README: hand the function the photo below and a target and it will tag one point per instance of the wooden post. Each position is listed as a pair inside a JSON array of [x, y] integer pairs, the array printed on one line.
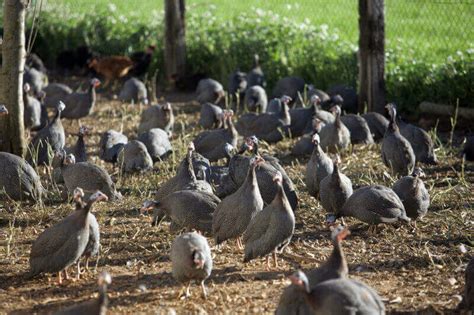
[[175, 44], [371, 55], [11, 77]]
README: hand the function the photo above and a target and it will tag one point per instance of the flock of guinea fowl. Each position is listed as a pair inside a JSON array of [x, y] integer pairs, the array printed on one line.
[[250, 198]]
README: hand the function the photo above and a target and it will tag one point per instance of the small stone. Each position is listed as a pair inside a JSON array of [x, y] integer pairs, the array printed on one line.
[[142, 288], [452, 281], [462, 249]]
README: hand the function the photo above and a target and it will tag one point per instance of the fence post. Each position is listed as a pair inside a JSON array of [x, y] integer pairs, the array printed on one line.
[[371, 55], [175, 44]]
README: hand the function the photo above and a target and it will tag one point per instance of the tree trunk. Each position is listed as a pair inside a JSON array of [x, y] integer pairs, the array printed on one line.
[[175, 44], [11, 76], [371, 55]]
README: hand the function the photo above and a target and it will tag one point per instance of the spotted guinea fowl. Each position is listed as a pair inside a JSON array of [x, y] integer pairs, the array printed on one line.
[[358, 128], [256, 75], [36, 79], [313, 91], [210, 143], [302, 119], [209, 91], [19, 181], [413, 194], [157, 143], [134, 90], [233, 214], [377, 123], [335, 189], [85, 175], [335, 137], [397, 152], [373, 205], [236, 88], [211, 116], [420, 141], [339, 296], [56, 92], [79, 149], [32, 109], [291, 86], [81, 104], [256, 99], [50, 138], [62, 244], [96, 306], [111, 144], [157, 116], [319, 166], [191, 260], [305, 145], [271, 229], [275, 105], [134, 158]]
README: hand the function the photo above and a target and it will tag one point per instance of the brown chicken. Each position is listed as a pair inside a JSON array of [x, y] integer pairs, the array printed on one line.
[[111, 67]]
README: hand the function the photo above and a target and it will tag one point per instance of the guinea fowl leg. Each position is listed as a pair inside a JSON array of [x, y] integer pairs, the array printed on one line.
[[268, 263], [66, 275], [78, 272], [239, 243], [204, 291], [86, 265], [60, 279], [275, 260]]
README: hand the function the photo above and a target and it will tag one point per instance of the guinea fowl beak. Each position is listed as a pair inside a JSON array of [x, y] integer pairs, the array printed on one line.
[[296, 280], [199, 263]]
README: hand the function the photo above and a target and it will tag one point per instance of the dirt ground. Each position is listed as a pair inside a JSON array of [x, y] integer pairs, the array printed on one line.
[[412, 269]]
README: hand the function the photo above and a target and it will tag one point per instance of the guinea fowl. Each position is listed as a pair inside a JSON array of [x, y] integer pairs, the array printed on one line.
[[80, 105], [256, 99], [85, 175], [335, 189], [209, 91], [237, 87], [349, 100], [291, 86], [468, 150], [420, 141], [271, 229], [191, 260], [157, 116], [211, 116], [358, 128], [36, 79], [302, 118], [3, 110], [62, 244], [256, 76], [50, 138], [111, 144], [56, 92], [188, 209], [276, 104], [397, 152], [32, 109], [339, 296], [19, 180], [210, 143], [157, 143], [413, 194], [324, 116], [79, 149], [233, 214], [134, 158], [97, 306], [377, 123], [335, 137], [34, 61], [313, 91], [373, 205], [319, 166], [305, 145], [134, 90]]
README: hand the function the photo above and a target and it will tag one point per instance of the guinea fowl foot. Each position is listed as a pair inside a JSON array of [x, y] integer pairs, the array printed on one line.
[[239, 243], [185, 290], [66, 275], [275, 260], [204, 290], [60, 279]]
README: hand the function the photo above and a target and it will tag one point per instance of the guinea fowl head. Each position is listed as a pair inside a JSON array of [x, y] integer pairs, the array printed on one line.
[[337, 100], [300, 280], [315, 100], [317, 124], [252, 143], [285, 99], [339, 233], [198, 259], [191, 147], [61, 106], [336, 110], [148, 205], [104, 279], [83, 130], [418, 172], [229, 149], [3, 110], [95, 82], [78, 194], [392, 112], [256, 161], [166, 107], [315, 139], [26, 87], [70, 159], [98, 196]]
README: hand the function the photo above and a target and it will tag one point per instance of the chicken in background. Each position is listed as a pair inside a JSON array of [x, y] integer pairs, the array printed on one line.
[[111, 67], [142, 61]]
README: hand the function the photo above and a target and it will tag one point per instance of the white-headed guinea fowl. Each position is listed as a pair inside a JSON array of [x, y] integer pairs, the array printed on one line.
[[270, 127], [358, 128], [275, 105], [111, 144], [81, 104], [350, 100], [293, 300], [335, 137], [256, 75], [211, 116], [157, 143], [377, 123], [157, 116], [468, 150], [79, 149], [210, 143], [36, 79], [256, 99], [62, 244], [319, 166], [85, 175], [339, 296], [373, 205], [191, 260], [32, 109], [271, 229], [413, 194], [19, 180], [302, 118], [397, 152], [236, 88], [325, 116], [56, 92], [134, 90], [209, 91], [97, 306], [291, 86], [305, 146], [134, 158], [190, 209], [468, 299], [233, 214], [420, 141], [49, 139], [335, 189]]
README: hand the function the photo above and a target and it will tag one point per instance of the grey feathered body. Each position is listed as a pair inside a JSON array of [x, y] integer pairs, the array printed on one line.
[[319, 166], [50, 136], [134, 158], [397, 153], [56, 92], [92, 307], [209, 116], [335, 137], [256, 99], [93, 244], [32, 112], [302, 120], [421, 143], [335, 189], [304, 146], [413, 194], [156, 117], [79, 104], [110, 145], [79, 149], [207, 89], [36, 79], [157, 143], [468, 300], [377, 123], [211, 143], [256, 77], [358, 128], [133, 90], [293, 302], [270, 127], [289, 86]]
